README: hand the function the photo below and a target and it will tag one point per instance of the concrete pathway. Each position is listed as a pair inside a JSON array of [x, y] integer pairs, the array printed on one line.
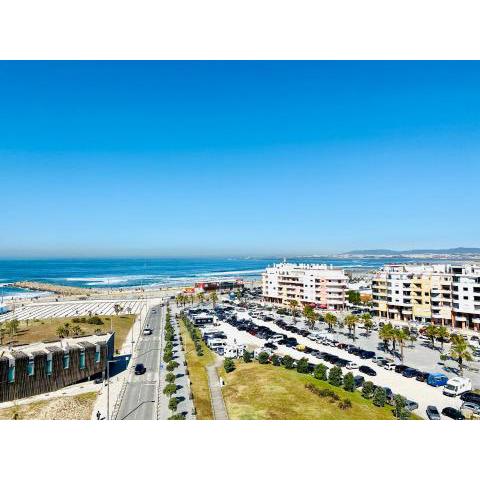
[[218, 404]]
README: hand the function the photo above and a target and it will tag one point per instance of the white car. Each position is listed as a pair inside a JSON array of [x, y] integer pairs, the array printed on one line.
[[351, 366], [389, 366]]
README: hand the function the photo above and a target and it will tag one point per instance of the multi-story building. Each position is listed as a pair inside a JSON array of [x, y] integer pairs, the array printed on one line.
[[28, 370], [320, 285], [441, 294]]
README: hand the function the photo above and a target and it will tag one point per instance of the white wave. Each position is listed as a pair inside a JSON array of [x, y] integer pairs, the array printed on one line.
[[223, 274]]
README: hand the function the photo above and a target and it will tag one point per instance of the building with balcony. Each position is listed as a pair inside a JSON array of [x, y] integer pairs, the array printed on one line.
[[37, 368], [314, 284], [441, 294]]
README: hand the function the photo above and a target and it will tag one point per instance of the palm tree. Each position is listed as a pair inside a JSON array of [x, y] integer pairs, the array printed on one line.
[[3, 332], [293, 306], [401, 336], [62, 332], [200, 297], [351, 323], [367, 322], [12, 326], [386, 334], [213, 298], [431, 333], [442, 335], [117, 308], [330, 320], [460, 351]]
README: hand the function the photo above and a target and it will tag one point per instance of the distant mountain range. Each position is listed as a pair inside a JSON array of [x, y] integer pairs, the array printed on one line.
[[458, 251]]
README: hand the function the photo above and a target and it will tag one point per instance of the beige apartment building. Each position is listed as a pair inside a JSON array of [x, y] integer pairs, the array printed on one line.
[[313, 284], [441, 294]]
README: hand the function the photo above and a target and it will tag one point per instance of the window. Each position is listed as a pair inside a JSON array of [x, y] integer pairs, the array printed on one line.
[[97, 354], [31, 368], [11, 374], [66, 361], [82, 359], [49, 367]]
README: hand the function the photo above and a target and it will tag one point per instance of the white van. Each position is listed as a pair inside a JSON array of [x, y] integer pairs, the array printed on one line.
[[456, 386], [276, 338]]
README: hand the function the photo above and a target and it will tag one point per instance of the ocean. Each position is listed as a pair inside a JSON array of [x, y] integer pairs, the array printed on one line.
[[132, 272]]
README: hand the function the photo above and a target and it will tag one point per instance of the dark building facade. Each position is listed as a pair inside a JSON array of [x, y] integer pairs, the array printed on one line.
[[46, 367]]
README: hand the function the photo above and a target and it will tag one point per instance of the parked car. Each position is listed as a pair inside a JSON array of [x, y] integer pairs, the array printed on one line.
[[470, 397], [271, 346], [400, 368], [456, 386], [411, 405], [359, 381], [471, 407], [147, 331], [351, 366], [389, 366], [410, 372], [140, 369], [437, 379], [453, 413], [422, 376], [367, 371], [433, 413]]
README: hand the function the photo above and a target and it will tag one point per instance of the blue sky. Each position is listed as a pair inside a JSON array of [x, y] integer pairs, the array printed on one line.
[[249, 158]]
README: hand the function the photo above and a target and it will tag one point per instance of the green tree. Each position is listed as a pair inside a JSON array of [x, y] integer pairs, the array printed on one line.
[[173, 404], [167, 356], [320, 372], [399, 403], [77, 331], [293, 307], [229, 365], [431, 333], [367, 322], [401, 336], [170, 389], [330, 320], [247, 356], [442, 335], [213, 298], [276, 360], [351, 323], [172, 365], [302, 365], [367, 389], [335, 376], [61, 331], [386, 334], [177, 416], [263, 358], [349, 382], [354, 297], [460, 351], [288, 362], [379, 397], [170, 377]]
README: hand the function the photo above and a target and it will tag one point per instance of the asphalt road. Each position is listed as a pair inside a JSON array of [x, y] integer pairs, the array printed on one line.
[[140, 399]]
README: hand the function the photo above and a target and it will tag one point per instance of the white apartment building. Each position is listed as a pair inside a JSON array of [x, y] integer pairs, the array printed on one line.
[[320, 285], [442, 294]]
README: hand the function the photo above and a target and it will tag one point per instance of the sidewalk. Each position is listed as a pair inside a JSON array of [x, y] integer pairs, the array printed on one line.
[[219, 409]]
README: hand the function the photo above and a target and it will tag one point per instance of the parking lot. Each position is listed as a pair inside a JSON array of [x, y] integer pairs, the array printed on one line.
[[245, 325]]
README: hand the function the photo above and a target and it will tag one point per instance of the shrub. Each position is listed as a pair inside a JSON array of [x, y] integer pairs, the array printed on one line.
[[302, 365], [173, 403], [168, 356], [345, 404], [172, 365], [349, 382], [276, 360], [335, 376], [400, 411], [379, 397], [263, 358], [320, 372], [170, 377], [170, 389], [367, 390], [177, 416], [247, 356], [288, 362], [229, 365]]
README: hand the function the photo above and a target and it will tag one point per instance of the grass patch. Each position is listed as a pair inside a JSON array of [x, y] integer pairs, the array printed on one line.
[[46, 329], [265, 392], [77, 407], [198, 374]]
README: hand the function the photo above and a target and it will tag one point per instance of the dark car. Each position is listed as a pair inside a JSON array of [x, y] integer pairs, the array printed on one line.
[[433, 413], [422, 376], [271, 346], [367, 354], [140, 369], [470, 397], [367, 371], [410, 372], [359, 381], [400, 368], [411, 405], [453, 413]]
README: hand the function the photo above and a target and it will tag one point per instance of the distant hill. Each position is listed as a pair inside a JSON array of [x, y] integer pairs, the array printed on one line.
[[443, 251]]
